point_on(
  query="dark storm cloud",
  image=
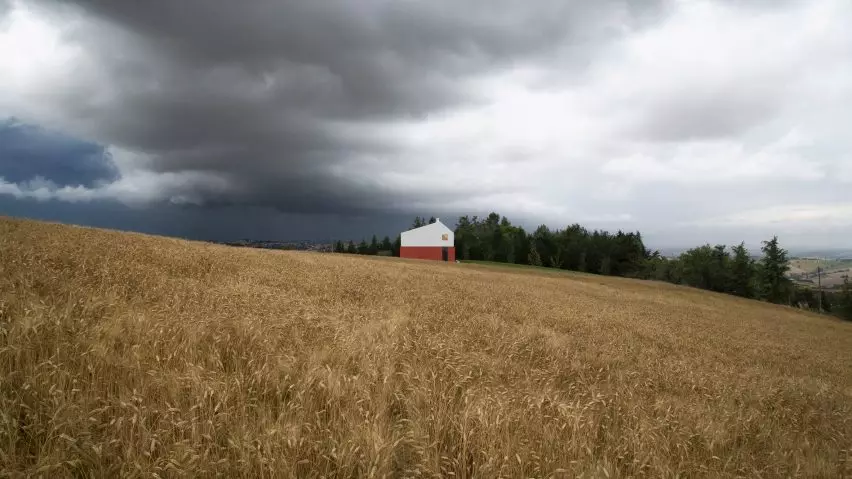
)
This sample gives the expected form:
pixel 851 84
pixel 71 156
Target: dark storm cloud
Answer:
pixel 257 93
pixel 28 152
pixel 202 223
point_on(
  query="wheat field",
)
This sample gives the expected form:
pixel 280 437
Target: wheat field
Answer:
pixel 124 355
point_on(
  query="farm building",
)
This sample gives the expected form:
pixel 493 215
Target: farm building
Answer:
pixel 434 241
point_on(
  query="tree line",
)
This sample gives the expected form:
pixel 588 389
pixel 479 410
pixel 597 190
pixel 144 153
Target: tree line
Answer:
pixel 376 247
pixel 730 270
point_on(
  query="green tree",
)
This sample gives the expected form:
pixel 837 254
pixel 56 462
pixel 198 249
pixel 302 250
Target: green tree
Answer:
pixel 772 277
pixel 742 272
pixel 521 242
pixel 374 246
pixel 363 247
pixel 606 265
pixel 534 259
pixel 581 262
pixel 543 241
pixel 556 258
pixel 658 268
pixel 386 244
pixel 804 298
pixel 338 247
pixel 351 249
pixel 627 254
pixel 432 220
pixel 706 267
pixel 721 270
pixel 464 238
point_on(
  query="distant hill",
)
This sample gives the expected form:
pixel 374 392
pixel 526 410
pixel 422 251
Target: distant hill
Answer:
pixel 125 355
pixel 824 254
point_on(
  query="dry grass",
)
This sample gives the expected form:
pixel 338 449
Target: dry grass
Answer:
pixel 127 355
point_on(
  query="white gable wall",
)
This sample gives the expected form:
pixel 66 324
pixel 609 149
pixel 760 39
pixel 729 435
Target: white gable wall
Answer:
pixel 429 235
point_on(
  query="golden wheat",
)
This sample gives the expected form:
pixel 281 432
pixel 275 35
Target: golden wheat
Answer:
pixel 136 356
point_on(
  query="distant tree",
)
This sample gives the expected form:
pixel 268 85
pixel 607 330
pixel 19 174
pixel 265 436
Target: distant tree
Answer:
pixel 543 241
pixel 600 246
pixel 386 244
pixel 627 254
pixel 675 271
pixel 742 272
pixel 556 258
pixel 804 298
pixel 656 267
pixel 581 261
pixel 418 222
pixel 374 246
pixel 721 267
pixel 520 244
pixel 534 259
pixel 432 220
pixel 606 265
pixel 706 267
pixel 464 237
pixel 772 277
pixel 363 247
pixel 499 245
pixel 338 247
pixel 351 249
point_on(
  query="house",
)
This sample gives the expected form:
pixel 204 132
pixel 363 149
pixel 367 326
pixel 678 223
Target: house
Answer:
pixel 434 241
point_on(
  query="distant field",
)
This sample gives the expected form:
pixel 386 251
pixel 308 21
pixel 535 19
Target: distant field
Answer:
pixel 123 355
pixel 810 265
pixel 833 271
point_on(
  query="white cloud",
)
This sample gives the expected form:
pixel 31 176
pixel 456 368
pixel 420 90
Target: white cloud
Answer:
pixel 141 189
pixel 42 63
pixel 746 104
pixel 804 215
pixel 30 48
pixel 721 162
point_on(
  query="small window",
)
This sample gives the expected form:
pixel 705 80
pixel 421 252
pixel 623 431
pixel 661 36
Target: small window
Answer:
pixel 445 237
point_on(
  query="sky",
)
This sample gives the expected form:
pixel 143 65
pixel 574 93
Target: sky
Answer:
pixel 692 121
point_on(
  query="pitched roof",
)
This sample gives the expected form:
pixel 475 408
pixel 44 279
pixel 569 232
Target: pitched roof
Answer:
pixel 436 224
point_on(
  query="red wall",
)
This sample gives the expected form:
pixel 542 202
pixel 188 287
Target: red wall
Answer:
pixel 426 252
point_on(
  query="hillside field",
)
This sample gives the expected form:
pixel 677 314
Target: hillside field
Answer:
pixel 124 355
pixel 833 271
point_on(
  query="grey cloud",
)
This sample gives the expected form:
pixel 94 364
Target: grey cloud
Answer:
pixel 197 223
pixel 255 92
pixel 696 114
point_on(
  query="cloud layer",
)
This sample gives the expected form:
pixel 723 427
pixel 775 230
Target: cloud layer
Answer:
pixel 674 117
